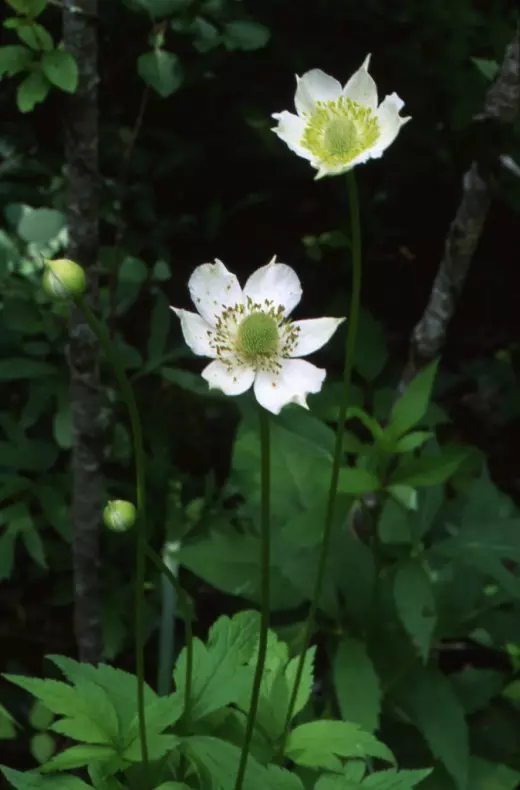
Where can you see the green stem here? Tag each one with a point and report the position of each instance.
(188, 622)
(128, 396)
(264, 621)
(353, 320)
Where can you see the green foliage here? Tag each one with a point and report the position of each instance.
(161, 70)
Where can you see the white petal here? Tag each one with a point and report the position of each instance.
(232, 381)
(361, 88)
(275, 282)
(390, 121)
(315, 86)
(313, 334)
(196, 331)
(290, 129)
(296, 379)
(212, 288)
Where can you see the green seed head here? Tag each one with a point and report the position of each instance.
(119, 515)
(257, 335)
(63, 279)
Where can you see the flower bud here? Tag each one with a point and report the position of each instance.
(63, 279)
(119, 515)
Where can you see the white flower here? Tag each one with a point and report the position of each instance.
(249, 336)
(338, 128)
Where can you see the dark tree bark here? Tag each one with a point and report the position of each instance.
(501, 106)
(81, 129)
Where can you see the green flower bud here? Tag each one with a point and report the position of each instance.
(119, 515)
(63, 279)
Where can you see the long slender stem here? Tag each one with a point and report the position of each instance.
(128, 396)
(353, 319)
(265, 563)
(188, 622)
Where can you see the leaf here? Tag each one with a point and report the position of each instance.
(219, 675)
(489, 68)
(357, 684)
(429, 700)
(218, 760)
(131, 276)
(41, 225)
(415, 602)
(29, 780)
(24, 368)
(161, 70)
(429, 470)
(395, 780)
(245, 36)
(158, 746)
(371, 352)
(280, 779)
(394, 524)
(412, 406)
(42, 746)
(357, 481)
(14, 59)
(7, 723)
(31, 8)
(306, 681)
(77, 757)
(35, 36)
(62, 423)
(32, 91)
(61, 69)
(318, 744)
(412, 441)
(485, 775)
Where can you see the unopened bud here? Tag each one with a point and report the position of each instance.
(63, 279)
(119, 515)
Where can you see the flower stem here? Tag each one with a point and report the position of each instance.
(265, 563)
(353, 319)
(128, 396)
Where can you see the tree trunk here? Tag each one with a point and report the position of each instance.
(81, 130)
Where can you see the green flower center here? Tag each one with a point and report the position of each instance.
(338, 131)
(257, 336)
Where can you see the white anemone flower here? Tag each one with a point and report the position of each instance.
(337, 128)
(248, 334)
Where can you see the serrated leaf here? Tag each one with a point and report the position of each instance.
(357, 684)
(61, 69)
(58, 697)
(158, 746)
(14, 59)
(429, 700)
(40, 225)
(318, 744)
(29, 780)
(412, 406)
(280, 779)
(161, 70)
(32, 91)
(77, 757)
(395, 780)
(306, 681)
(219, 675)
(218, 761)
(415, 603)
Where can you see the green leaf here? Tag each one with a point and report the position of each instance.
(62, 423)
(161, 8)
(280, 779)
(131, 276)
(415, 602)
(412, 441)
(428, 699)
(7, 723)
(31, 8)
(395, 780)
(61, 69)
(357, 684)
(24, 368)
(78, 756)
(245, 36)
(404, 495)
(41, 225)
(35, 36)
(161, 70)
(357, 481)
(42, 746)
(488, 68)
(221, 677)
(394, 524)
(485, 775)
(218, 761)
(371, 352)
(306, 680)
(29, 780)
(318, 744)
(32, 91)
(158, 745)
(412, 406)
(429, 470)
(14, 59)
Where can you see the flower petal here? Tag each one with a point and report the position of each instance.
(290, 129)
(232, 381)
(390, 122)
(197, 333)
(212, 287)
(275, 282)
(313, 334)
(315, 86)
(361, 88)
(291, 384)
